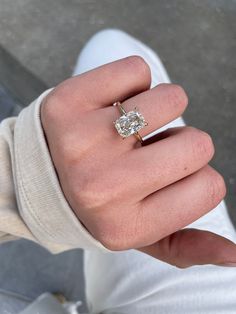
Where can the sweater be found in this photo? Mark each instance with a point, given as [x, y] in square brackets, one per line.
[32, 204]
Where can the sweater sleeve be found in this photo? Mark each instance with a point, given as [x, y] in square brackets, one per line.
[32, 204]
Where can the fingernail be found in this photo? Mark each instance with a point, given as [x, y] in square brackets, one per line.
[228, 264]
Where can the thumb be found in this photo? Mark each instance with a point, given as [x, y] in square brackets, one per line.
[190, 247]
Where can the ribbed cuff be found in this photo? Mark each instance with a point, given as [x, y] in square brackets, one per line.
[41, 201]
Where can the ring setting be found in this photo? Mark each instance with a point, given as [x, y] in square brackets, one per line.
[129, 123]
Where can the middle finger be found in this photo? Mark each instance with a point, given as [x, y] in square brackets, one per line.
[150, 168]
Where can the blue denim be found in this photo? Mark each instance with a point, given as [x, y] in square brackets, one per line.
[28, 270]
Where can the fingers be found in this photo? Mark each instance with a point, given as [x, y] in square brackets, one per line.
[160, 214]
[179, 204]
[107, 84]
[184, 151]
[159, 106]
[190, 247]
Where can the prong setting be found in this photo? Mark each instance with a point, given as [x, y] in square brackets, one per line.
[130, 123]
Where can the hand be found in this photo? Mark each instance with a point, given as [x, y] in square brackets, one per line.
[125, 194]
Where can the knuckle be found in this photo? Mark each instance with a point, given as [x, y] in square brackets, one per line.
[54, 96]
[48, 106]
[91, 191]
[136, 62]
[110, 235]
[206, 144]
[89, 196]
[117, 232]
[69, 152]
[60, 94]
[110, 242]
[216, 188]
[177, 96]
[139, 66]
[52, 103]
[202, 143]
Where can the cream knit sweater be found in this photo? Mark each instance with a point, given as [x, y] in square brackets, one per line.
[32, 204]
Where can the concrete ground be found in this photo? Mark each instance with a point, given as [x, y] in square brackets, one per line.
[195, 39]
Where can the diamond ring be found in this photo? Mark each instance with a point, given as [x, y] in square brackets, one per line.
[129, 123]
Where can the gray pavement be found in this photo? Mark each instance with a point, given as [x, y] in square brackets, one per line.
[195, 39]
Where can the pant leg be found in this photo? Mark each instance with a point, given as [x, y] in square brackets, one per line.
[132, 282]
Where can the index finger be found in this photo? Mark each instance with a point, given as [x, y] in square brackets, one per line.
[107, 84]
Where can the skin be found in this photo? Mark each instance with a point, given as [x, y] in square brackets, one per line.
[128, 195]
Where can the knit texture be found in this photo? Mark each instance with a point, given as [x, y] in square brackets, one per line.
[32, 204]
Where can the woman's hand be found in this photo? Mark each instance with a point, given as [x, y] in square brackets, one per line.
[128, 195]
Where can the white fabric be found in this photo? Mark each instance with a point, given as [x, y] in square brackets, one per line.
[132, 282]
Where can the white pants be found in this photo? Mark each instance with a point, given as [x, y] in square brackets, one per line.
[132, 282]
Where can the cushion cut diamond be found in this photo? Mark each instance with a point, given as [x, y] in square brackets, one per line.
[130, 123]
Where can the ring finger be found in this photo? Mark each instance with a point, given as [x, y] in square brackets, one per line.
[158, 106]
